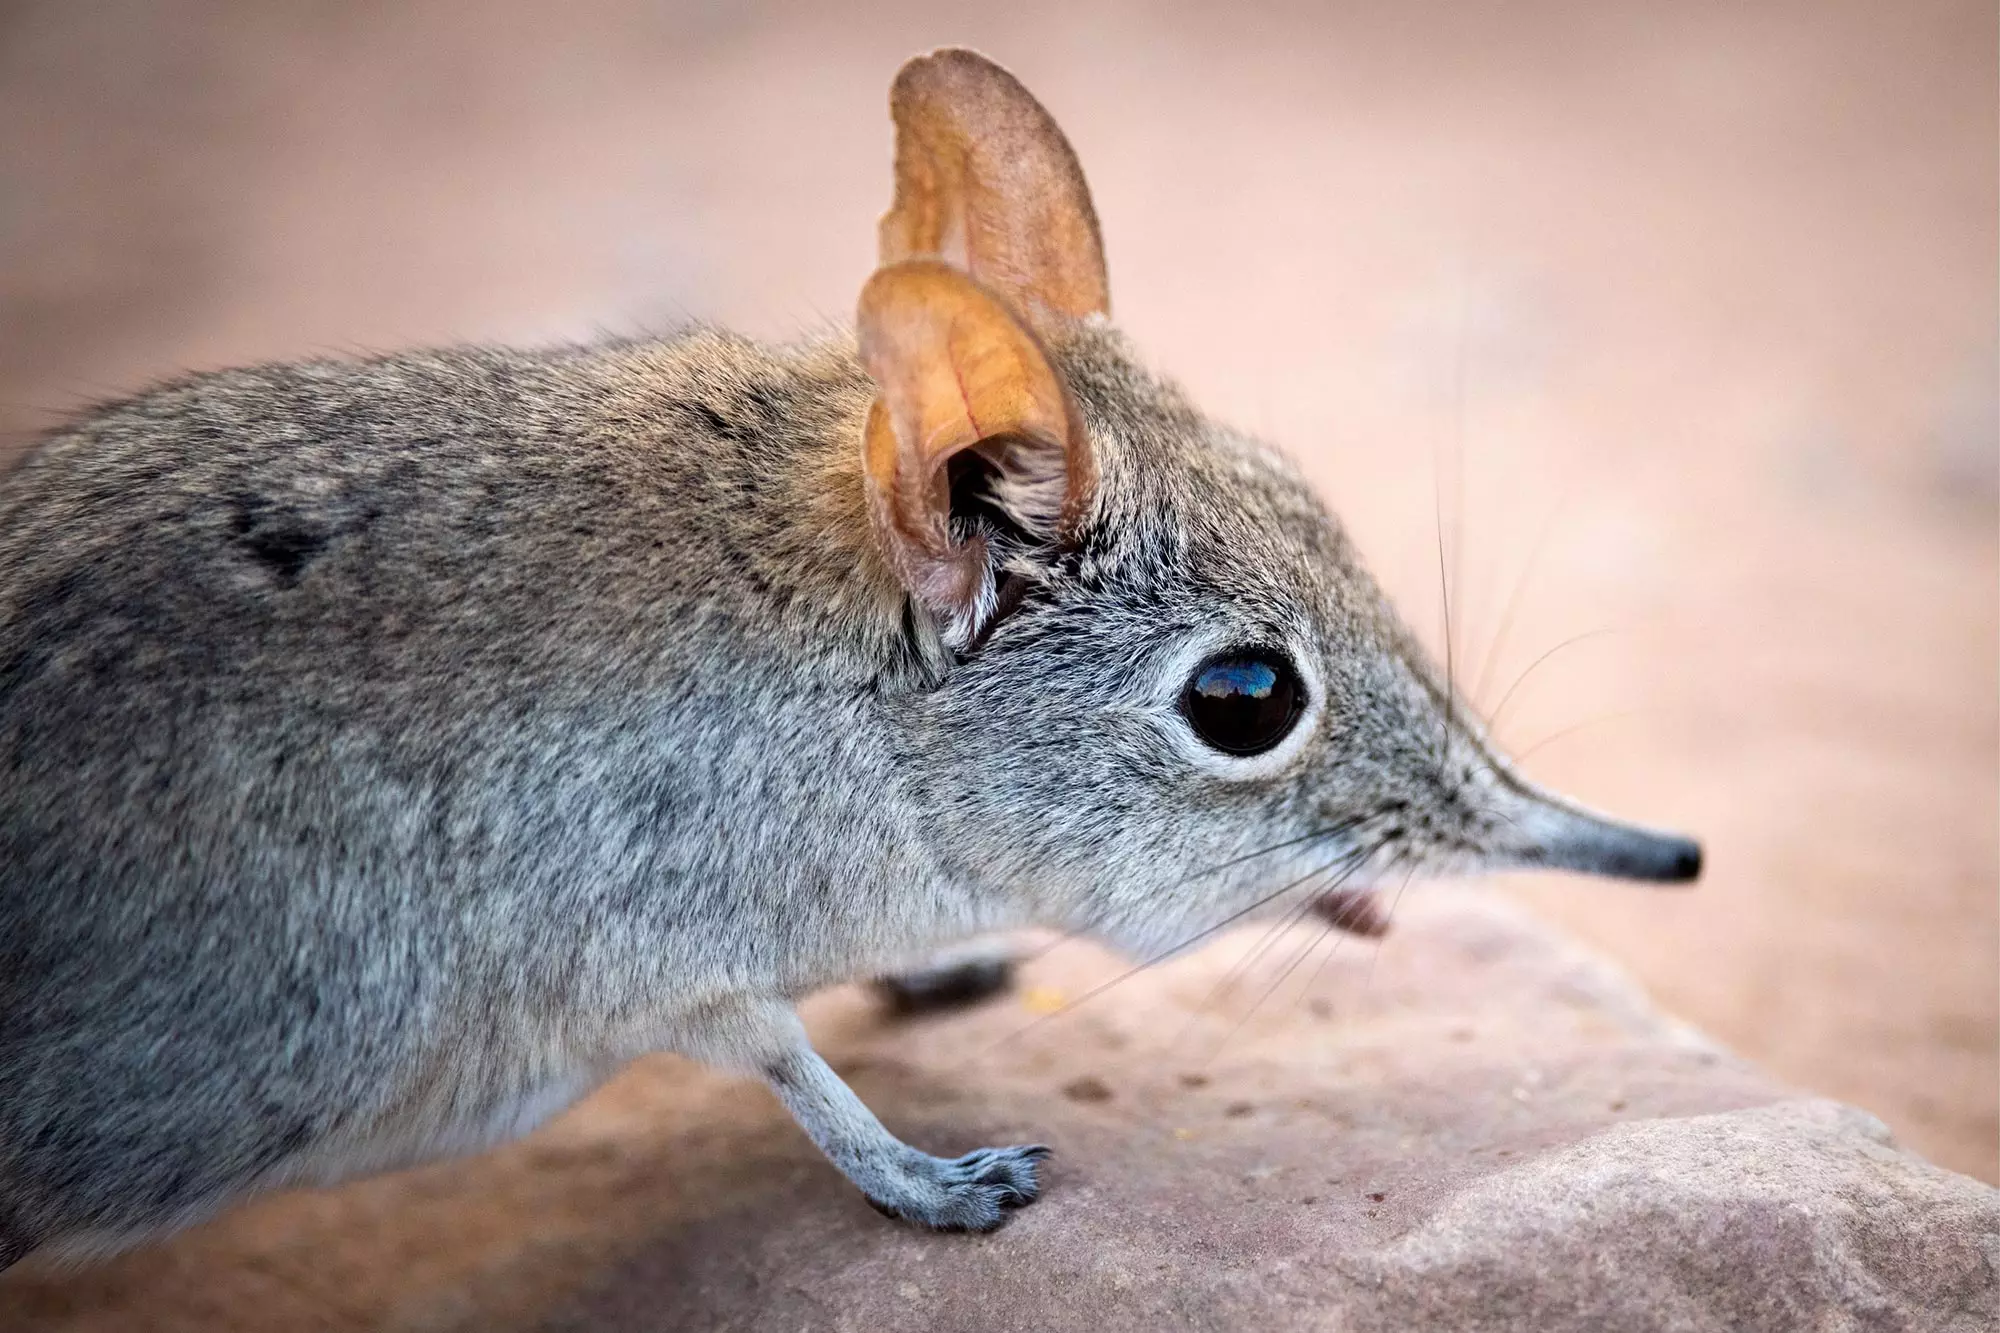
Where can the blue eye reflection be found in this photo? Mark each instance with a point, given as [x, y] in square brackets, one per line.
[1244, 702]
[1243, 676]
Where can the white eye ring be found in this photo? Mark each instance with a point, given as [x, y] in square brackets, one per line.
[1180, 669]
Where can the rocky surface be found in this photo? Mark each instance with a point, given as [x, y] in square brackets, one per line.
[1473, 1125]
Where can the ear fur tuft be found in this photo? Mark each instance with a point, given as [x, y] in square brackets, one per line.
[958, 373]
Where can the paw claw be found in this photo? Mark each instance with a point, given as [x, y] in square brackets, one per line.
[969, 1193]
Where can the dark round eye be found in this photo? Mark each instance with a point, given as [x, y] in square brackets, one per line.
[1244, 702]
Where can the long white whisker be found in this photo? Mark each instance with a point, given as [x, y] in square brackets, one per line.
[1344, 876]
[1165, 954]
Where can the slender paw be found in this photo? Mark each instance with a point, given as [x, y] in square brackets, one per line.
[969, 1193]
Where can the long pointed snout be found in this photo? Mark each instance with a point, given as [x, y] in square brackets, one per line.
[1554, 833]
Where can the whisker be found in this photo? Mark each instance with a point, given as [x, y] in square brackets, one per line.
[1461, 370]
[1461, 413]
[1076, 933]
[1241, 967]
[1444, 595]
[1493, 718]
[1165, 954]
[1274, 932]
[1320, 966]
[1376, 958]
[1579, 726]
[1344, 876]
[1330, 831]
[1513, 606]
[1312, 943]
[1313, 980]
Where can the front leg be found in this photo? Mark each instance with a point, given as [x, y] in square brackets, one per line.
[969, 1193]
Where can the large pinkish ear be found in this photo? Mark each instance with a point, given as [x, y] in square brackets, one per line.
[961, 380]
[986, 181]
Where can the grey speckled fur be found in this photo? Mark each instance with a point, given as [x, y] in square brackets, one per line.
[389, 749]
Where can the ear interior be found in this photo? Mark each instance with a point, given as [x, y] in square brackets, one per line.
[972, 442]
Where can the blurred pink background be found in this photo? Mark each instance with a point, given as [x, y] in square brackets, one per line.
[1676, 325]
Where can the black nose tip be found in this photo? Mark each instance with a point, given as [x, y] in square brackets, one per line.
[1572, 838]
[1661, 858]
[1620, 851]
[1685, 863]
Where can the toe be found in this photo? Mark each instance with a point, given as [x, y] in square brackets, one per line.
[969, 1193]
[1012, 1171]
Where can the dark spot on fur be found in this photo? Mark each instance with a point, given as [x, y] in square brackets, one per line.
[289, 1137]
[286, 551]
[713, 421]
[286, 541]
[765, 401]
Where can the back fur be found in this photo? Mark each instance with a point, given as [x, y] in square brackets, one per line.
[385, 740]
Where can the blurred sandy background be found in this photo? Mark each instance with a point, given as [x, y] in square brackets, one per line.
[1675, 325]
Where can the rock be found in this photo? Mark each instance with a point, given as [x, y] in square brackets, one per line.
[1471, 1125]
[1789, 1216]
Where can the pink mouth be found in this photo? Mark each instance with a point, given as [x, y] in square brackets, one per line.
[1356, 911]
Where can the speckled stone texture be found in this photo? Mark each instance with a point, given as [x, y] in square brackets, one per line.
[1473, 1125]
